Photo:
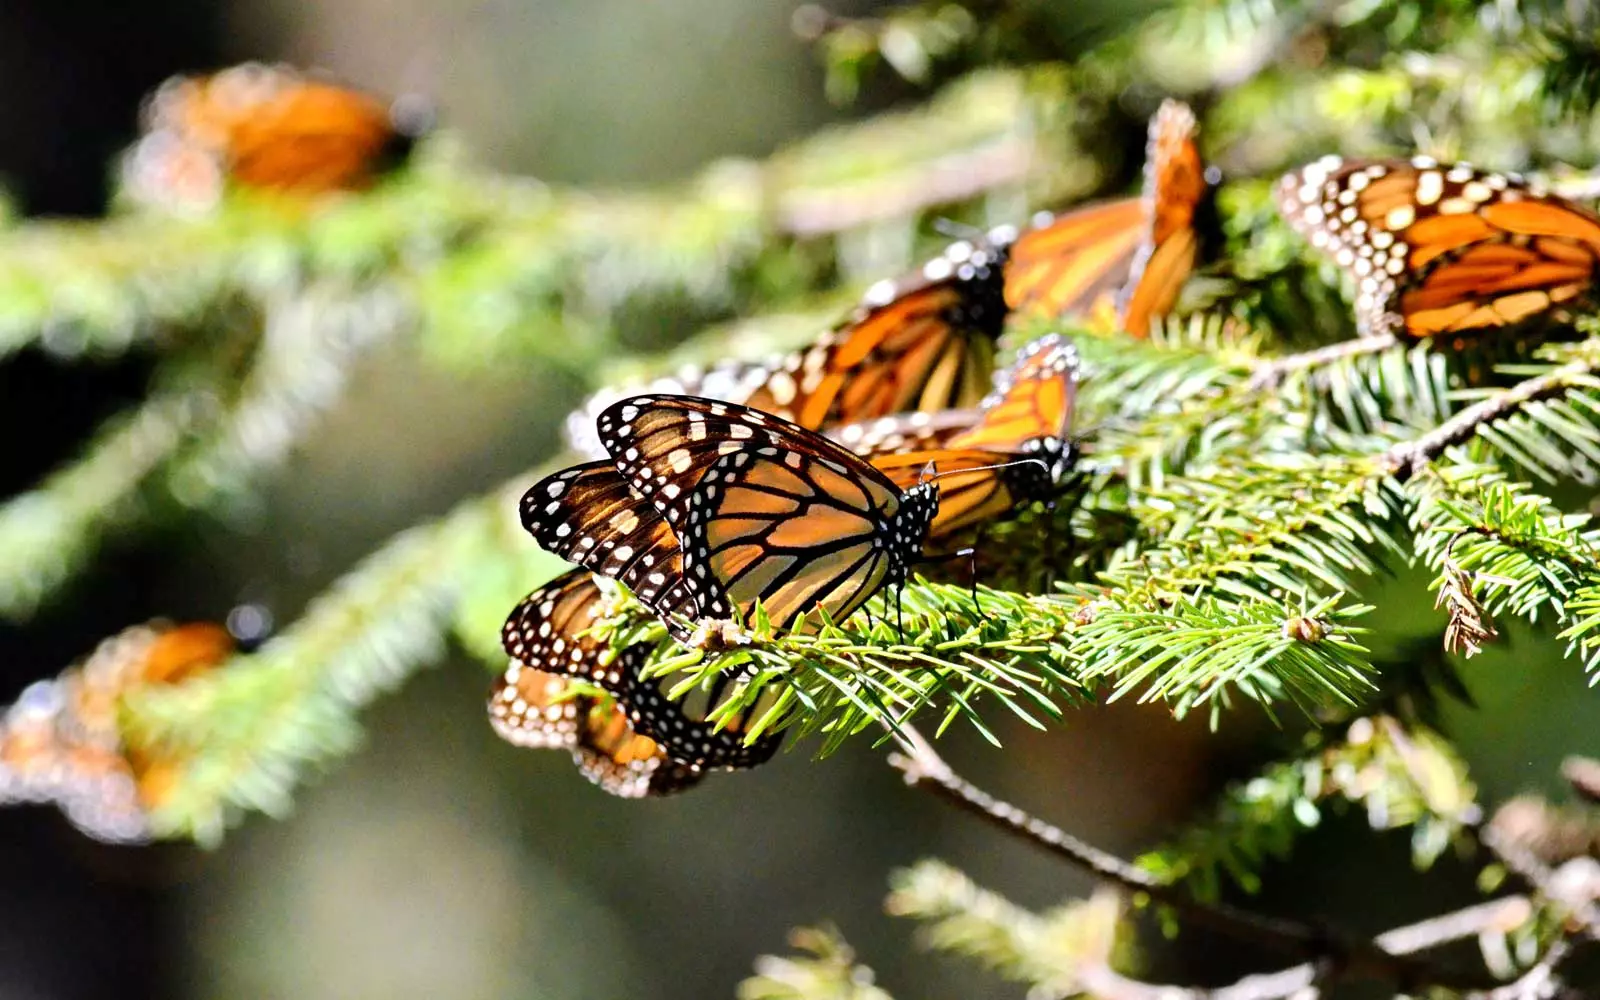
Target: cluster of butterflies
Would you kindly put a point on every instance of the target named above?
(60, 741)
(803, 485)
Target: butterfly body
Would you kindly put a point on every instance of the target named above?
(1436, 249)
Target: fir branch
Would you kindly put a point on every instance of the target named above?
(199, 441)
(1402, 776)
(1514, 551)
(1256, 530)
(1029, 656)
(828, 971)
(1050, 951)
(1408, 458)
(485, 265)
(924, 768)
(51, 532)
(1008, 650)
(309, 338)
(248, 733)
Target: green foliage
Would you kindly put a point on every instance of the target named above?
(1049, 951)
(1401, 775)
(826, 969)
(1239, 496)
(1229, 526)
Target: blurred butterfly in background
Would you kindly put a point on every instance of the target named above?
(534, 703)
(1437, 249)
(267, 128)
(60, 742)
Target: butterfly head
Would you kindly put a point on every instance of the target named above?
(1049, 465)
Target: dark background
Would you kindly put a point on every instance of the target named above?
(440, 862)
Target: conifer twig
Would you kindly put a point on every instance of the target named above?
(1496, 915)
(1268, 374)
(923, 767)
(1408, 458)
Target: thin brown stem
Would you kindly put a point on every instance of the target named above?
(1352, 957)
(1269, 374)
(1496, 916)
(1407, 459)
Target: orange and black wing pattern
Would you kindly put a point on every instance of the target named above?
(764, 510)
(634, 741)
(263, 127)
(1018, 451)
(1121, 263)
(1178, 193)
(535, 703)
(924, 342)
(588, 515)
(1439, 249)
(61, 742)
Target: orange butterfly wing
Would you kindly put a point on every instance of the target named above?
(61, 741)
(925, 342)
(268, 127)
(532, 705)
(1176, 187)
(1074, 264)
(1440, 249)
(1017, 451)
(1122, 262)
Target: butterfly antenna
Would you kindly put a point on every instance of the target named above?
(929, 474)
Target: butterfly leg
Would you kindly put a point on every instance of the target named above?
(1069, 499)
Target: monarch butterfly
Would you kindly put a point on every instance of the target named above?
(1018, 449)
(765, 510)
(1122, 262)
(533, 704)
(758, 509)
(60, 741)
(1438, 249)
(265, 127)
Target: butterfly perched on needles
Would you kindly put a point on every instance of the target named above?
(761, 510)
(60, 741)
(536, 704)
(1438, 249)
(1017, 448)
(267, 128)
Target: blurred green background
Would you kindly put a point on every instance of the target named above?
(441, 862)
